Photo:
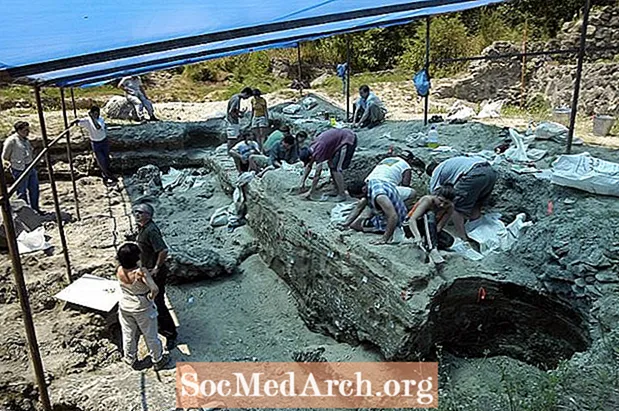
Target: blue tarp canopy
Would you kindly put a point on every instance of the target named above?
(76, 42)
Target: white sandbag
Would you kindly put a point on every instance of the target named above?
(220, 217)
(547, 130)
(398, 236)
(587, 173)
(464, 249)
(491, 110)
(341, 211)
(513, 231)
(486, 231)
(28, 242)
(520, 152)
(309, 103)
(171, 178)
(460, 112)
(292, 109)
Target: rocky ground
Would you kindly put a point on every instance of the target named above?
(235, 301)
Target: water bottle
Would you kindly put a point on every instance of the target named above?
(432, 140)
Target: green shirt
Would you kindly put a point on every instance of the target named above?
(274, 138)
(151, 243)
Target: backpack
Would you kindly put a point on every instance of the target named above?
(422, 82)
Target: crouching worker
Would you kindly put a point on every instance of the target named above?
(387, 210)
(334, 147)
(284, 151)
(137, 311)
(473, 178)
(428, 218)
(242, 151)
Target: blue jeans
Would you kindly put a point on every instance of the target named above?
(102, 154)
(31, 185)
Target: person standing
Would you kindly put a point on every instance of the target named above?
(94, 124)
(135, 94)
(17, 152)
(137, 312)
(259, 117)
(153, 254)
(336, 147)
(234, 114)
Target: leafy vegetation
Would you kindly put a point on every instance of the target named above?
(401, 49)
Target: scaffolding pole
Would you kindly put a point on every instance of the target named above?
(73, 102)
(581, 57)
(70, 154)
(299, 68)
(50, 171)
(347, 74)
(426, 99)
(22, 294)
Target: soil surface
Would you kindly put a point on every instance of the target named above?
(231, 306)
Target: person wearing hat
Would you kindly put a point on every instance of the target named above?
(18, 154)
(153, 254)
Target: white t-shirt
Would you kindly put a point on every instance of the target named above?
(94, 133)
(132, 83)
(391, 169)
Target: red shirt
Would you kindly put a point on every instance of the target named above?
(328, 143)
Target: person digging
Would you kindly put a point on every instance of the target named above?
(387, 210)
(427, 219)
(335, 147)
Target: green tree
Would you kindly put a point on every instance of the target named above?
(448, 39)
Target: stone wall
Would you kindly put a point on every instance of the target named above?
(599, 89)
(549, 76)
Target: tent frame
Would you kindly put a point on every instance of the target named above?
(17, 73)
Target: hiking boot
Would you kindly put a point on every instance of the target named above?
(131, 362)
(165, 359)
(170, 343)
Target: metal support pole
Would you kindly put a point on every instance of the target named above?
(426, 99)
(22, 293)
(299, 68)
(348, 78)
(581, 57)
(73, 102)
(70, 154)
(50, 171)
(524, 66)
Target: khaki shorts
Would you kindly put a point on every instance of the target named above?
(260, 122)
(233, 131)
(405, 192)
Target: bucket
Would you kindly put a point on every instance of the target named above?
(562, 116)
(602, 125)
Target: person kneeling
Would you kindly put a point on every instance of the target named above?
(137, 312)
(387, 209)
(242, 151)
(427, 219)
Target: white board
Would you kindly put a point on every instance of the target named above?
(92, 292)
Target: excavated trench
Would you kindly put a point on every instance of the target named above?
(352, 291)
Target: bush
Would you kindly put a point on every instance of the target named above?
(448, 39)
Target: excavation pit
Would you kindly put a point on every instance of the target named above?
(478, 317)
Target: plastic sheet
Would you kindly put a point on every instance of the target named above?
(28, 242)
(491, 109)
(587, 173)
